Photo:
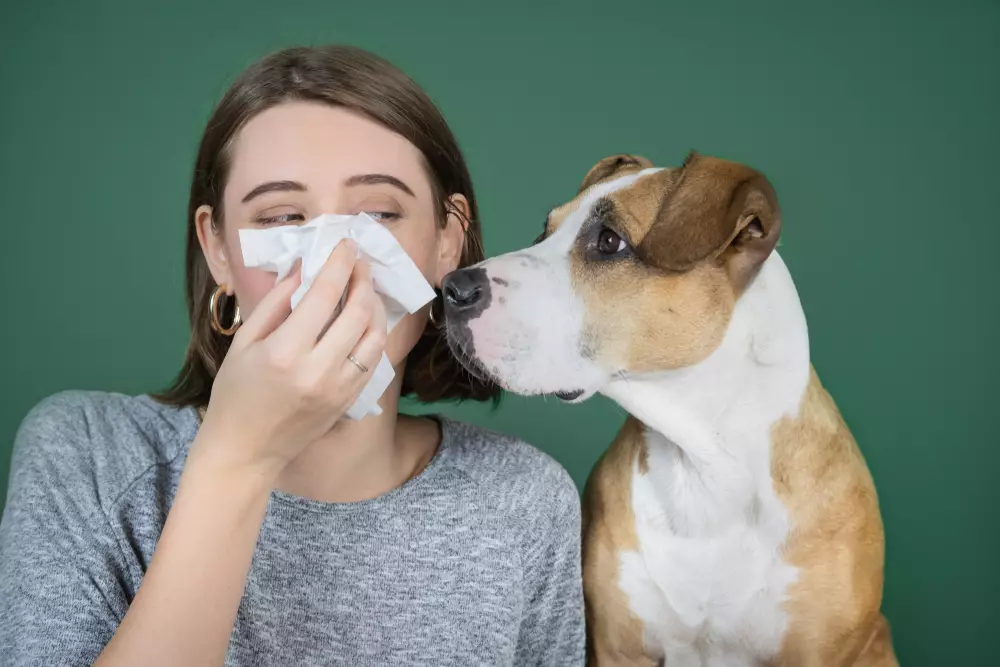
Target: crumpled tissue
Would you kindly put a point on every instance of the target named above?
(397, 280)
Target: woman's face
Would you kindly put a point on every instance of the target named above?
(300, 160)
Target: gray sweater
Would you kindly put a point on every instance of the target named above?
(476, 561)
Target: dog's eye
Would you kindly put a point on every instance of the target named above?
(609, 243)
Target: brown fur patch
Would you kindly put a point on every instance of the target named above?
(709, 207)
(614, 634)
(645, 321)
(559, 214)
(615, 165)
(836, 541)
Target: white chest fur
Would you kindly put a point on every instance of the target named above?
(708, 580)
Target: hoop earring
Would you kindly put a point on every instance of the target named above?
(213, 310)
(430, 314)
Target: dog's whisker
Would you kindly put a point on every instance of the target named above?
(470, 364)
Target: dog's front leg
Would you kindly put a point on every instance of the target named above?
(615, 636)
(612, 640)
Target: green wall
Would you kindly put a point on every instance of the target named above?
(878, 125)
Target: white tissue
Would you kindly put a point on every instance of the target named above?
(397, 280)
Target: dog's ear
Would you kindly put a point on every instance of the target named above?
(716, 209)
(612, 165)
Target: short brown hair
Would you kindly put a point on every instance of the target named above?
(355, 79)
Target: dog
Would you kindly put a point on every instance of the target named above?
(733, 521)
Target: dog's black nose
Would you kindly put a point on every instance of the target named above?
(466, 289)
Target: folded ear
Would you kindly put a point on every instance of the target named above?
(611, 166)
(716, 209)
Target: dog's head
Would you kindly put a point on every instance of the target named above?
(640, 272)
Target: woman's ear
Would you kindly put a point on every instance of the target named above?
(451, 241)
(213, 246)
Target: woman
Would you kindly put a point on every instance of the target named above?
(264, 527)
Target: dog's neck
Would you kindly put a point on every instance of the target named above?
(720, 412)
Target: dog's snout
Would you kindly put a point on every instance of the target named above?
(466, 289)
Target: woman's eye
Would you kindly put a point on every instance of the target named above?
(383, 216)
(609, 242)
(283, 219)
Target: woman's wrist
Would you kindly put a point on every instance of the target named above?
(219, 457)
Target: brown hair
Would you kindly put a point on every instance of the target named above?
(347, 77)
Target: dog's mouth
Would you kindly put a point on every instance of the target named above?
(460, 342)
(474, 367)
(568, 395)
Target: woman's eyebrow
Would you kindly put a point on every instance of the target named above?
(274, 186)
(377, 179)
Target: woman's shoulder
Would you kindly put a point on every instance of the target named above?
(95, 418)
(505, 465)
(103, 440)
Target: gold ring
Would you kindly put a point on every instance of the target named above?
(354, 360)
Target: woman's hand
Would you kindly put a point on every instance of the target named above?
(286, 382)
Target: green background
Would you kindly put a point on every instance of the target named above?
(877, 123)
